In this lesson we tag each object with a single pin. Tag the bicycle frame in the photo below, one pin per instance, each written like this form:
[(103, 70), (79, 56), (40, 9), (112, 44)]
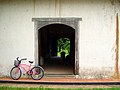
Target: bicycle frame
[(24, 67)]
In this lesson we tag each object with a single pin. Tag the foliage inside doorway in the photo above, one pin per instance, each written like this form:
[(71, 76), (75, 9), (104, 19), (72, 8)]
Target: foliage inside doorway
[(63, 45)]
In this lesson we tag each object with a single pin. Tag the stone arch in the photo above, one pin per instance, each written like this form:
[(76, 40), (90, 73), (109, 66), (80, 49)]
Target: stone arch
[(72, 22)]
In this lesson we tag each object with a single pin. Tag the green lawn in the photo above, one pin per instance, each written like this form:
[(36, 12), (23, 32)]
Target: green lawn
[(40, 88)]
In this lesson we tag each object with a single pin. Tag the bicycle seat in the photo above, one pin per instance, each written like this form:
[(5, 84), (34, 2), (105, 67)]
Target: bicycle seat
[(31, 62)]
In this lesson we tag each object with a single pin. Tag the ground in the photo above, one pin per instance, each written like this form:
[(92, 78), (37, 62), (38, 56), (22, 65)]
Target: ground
[(58, 86), (56, 79)]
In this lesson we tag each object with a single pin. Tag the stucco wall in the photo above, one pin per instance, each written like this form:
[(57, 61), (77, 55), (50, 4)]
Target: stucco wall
[(16, 32), (96, 37)]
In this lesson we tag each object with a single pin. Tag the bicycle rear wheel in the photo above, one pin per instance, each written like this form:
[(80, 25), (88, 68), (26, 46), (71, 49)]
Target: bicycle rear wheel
[(15, 73), (37, 73)]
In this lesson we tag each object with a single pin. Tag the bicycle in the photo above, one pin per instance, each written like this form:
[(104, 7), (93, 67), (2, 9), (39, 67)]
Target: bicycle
[(36, 72)]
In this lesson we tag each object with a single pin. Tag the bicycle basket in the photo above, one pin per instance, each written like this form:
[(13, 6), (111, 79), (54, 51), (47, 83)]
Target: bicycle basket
[(16, 63)]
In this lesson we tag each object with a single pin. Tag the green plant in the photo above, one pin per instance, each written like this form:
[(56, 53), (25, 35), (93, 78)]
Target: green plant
[(63, 46), (42, 88)]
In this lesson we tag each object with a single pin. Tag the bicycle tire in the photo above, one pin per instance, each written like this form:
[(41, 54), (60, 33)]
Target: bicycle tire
[(14, 75), (37, 72)]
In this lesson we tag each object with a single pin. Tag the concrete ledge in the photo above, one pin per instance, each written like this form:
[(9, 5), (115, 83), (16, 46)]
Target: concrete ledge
[(63, 82)]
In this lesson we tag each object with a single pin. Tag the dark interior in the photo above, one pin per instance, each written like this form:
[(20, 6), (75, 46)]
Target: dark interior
[(48, 36)]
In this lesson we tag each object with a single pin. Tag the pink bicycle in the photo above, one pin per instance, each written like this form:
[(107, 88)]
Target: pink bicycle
[(36, 72)]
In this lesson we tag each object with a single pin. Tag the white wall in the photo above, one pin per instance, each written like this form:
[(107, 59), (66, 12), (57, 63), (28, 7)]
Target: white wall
[(97, 30), (16, 32)]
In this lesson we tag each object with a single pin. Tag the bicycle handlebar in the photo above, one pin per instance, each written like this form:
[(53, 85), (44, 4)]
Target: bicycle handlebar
[(17, 58), (24, 59), (21, 59)]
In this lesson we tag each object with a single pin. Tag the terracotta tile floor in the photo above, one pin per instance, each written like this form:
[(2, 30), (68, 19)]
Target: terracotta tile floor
[(60, 79)]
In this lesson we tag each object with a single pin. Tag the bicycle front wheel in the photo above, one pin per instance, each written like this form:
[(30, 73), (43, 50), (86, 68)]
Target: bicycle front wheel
[(15, 73), (37, 73)]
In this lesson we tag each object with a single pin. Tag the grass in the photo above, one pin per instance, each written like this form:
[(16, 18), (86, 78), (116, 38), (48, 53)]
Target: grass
[(41, 88)]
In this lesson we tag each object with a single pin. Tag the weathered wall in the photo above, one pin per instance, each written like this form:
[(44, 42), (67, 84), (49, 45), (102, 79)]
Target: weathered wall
[(96, 36), (16, 32)]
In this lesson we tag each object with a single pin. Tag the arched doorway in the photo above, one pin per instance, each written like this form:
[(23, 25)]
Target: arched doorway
[(72, 22), (48, 37)]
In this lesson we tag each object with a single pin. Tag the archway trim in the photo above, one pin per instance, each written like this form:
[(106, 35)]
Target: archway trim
[(72, 22)]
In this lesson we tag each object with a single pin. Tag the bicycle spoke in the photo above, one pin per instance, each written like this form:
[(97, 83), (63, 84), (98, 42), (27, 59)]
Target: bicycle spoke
[(37, 73), (15, 73)]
